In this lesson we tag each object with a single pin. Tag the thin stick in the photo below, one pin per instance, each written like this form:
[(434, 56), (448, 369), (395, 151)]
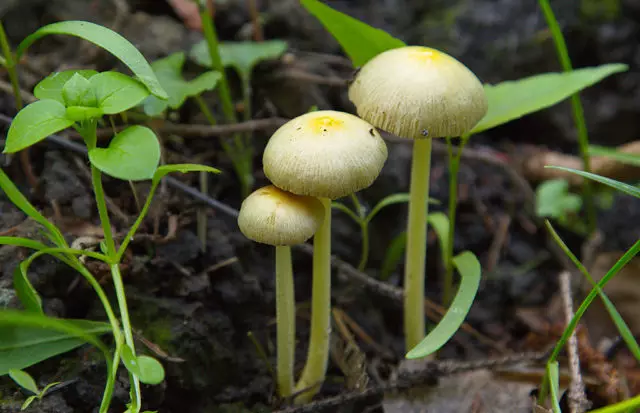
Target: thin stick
[(577, 398)]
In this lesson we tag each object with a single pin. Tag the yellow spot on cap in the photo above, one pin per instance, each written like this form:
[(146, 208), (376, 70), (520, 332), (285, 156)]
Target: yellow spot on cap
[(325, 123), (424, 54)]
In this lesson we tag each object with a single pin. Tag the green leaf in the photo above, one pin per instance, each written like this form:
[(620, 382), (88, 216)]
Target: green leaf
[(108, 40), (183, 168), (242, 56), (24, 380), (117, 92), (133, 154), (622, 157), (393, 256), (554, 385), (514, 99), (16, 197), (620, 186), (77, 91), (440, 224), (25, 291), (34, 123), (82, 113), (554, 200), (169, 73), (29, 338), (22, 242), (51, 86), (469, 268), (393, 199), (343, 208), (151, 370), (28, 402), (360, 41)]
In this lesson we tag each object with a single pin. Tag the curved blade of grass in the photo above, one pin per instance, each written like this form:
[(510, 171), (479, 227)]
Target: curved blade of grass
[(469, 268), (343, 208), (360, 41), (19, 200), (393, 256), (554, 386), (629, 405), (440, 224), (620, 186), (108, 40), (25, 291), (621, 325), (22, 242)]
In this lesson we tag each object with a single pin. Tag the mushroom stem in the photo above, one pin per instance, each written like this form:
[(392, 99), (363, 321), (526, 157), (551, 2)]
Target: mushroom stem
[(318, 353), (415, 258), (286, 320)]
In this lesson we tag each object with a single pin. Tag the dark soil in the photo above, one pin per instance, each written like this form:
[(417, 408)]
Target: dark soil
[(196, 307)]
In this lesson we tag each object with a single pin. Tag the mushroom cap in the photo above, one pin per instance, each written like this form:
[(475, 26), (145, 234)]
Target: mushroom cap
[(417, 91), (276, 217), (325, 154)]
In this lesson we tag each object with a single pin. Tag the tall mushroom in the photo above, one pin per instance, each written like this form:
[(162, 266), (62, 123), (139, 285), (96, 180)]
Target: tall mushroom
[(418, 93), (326, 154), (279, 218)]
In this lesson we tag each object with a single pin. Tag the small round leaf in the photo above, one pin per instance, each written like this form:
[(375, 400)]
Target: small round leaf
[(34, 123), (117, 92), (51, 86), (151, 371), (133, 154)]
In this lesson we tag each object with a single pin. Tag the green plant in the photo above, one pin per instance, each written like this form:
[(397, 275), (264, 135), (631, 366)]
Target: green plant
[(243, 57), (507, 101), (79, 99), (553, 200), (24, 380)]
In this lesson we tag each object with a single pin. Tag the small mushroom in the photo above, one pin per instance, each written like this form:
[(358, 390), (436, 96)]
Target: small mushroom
[(326, 154), (418, 93), (275, 217)]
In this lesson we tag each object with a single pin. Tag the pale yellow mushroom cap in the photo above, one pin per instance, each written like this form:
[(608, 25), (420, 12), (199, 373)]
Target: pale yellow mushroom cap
[(325, 154), (413, 89), (276, 217)]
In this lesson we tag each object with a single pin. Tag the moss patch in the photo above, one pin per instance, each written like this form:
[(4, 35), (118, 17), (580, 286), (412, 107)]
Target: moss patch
[(601, 10)]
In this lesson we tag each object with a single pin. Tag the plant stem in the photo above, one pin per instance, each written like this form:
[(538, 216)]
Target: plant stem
[(10, 64), (364, 232), (416, 253), (578, 112), (318, 353), (454, 167), (285, 320)]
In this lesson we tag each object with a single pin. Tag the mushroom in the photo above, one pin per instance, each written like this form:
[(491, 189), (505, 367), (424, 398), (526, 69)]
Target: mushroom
[(325, 154), (418, 93), (275, 217)]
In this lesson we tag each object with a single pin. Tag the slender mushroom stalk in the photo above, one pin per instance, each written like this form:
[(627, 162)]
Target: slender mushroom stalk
[(325, 154), (418, 93), (275, 217)]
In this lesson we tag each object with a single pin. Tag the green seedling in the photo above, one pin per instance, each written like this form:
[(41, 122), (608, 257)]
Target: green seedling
[(79, 99), (243, 58), (507, 101), (553, 200), (24, 380)]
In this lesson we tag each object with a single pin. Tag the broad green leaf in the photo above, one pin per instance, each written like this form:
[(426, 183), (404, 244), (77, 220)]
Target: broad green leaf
[(242, 56), (360, 41), (151, 370), (620, 186), (25, 291), (117, 92), (622, 157), (108, 40), (393, 256), (440, 224), (51, 86), (554, 200), (24, 380), (22, 242), (169, 73), (19, 200), (34, 123), (27, 338), (132, 155), (82, 113), (77, 91), (515, 99), (553, 377), (469, 268), (626, 406), (183, 168), (129, 360)]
